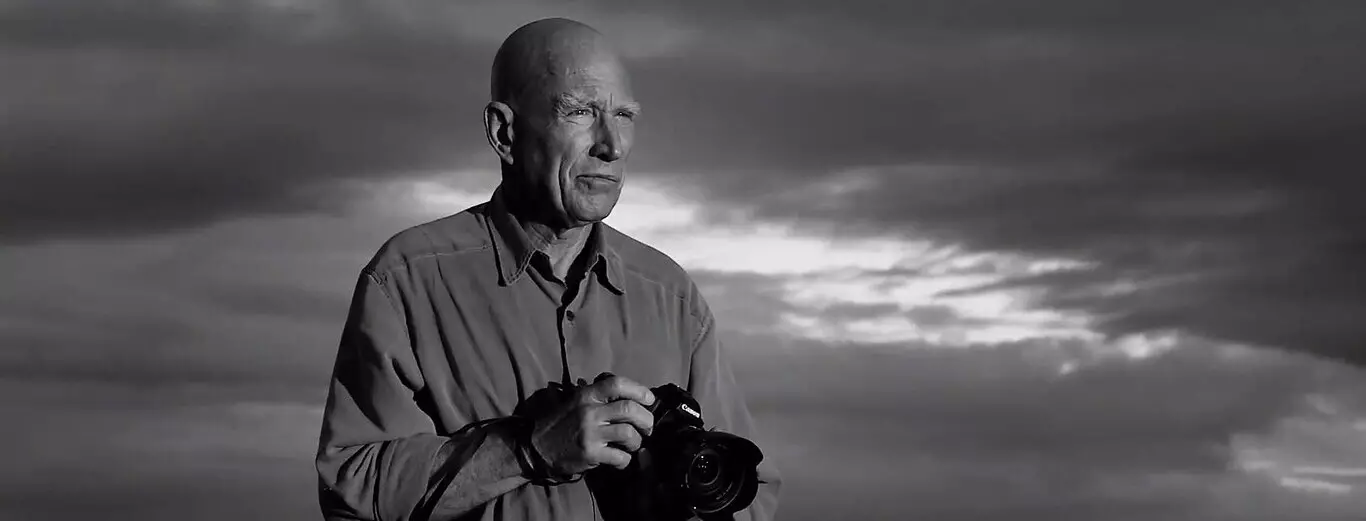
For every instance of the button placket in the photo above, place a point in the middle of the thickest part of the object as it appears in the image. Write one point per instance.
(572, 358)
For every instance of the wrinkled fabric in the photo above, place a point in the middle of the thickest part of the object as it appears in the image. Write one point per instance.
(456, 321)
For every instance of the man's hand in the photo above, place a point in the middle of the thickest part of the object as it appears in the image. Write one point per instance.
(600, 424)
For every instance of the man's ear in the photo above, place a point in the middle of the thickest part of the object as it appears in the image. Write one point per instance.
(498, 128)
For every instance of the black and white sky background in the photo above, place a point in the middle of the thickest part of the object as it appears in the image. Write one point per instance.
(976, 260)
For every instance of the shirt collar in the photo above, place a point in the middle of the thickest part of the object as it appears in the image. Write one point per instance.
(514, 248)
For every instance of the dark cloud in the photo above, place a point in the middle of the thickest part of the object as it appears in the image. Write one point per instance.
(274, 300)
(1106, 440)
(1272, 263)
(1018, 400)
(932, 316)
(134, 142)
(208, 453)
(744, 300)
(256, 302)
(944, 426)
(853, 311)
(139, 117)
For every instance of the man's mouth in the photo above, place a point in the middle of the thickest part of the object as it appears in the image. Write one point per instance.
(602, 178)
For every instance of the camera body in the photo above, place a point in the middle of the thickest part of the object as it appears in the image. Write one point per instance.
(683, 470)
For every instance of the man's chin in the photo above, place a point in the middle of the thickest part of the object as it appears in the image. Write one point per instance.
(585, 219)
(592, 211)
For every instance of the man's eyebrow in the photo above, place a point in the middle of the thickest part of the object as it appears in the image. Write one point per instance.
(569, 100)
(565, 101)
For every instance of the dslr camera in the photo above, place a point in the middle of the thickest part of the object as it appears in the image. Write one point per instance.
(683, 470)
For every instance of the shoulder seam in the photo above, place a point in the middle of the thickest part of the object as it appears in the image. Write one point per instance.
(707, 324)
(388, 296)
(705, 320)
(402, 262)
(676, 293)
(682, 294)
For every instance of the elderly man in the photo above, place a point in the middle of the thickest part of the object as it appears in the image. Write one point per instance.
(456, 323)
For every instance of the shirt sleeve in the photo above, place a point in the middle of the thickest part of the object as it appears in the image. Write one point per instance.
(378, 450)
(712, 382)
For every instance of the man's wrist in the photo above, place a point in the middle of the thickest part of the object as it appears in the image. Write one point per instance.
(534, 466)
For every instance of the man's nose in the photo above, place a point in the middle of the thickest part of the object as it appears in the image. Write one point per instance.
(608, 146)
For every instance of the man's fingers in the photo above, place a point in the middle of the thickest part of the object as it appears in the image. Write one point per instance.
(608, 455)
(612, 388)
(624, 436)
(627, 412)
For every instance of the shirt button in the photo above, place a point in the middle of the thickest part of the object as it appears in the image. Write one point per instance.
(569, 314)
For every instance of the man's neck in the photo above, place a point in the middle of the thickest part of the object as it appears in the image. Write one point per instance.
(561, 244)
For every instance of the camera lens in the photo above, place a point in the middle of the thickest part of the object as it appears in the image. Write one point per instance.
(714, 483)
(705, 469)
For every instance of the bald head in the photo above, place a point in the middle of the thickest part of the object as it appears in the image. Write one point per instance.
(562, 119)
(544, 50)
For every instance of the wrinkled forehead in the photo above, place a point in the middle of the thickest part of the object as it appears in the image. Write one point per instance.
(601, 78)
(586, 73)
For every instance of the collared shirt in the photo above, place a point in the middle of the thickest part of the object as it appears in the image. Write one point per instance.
(453, 323)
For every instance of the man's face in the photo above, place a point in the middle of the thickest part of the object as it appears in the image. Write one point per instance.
(574, 131)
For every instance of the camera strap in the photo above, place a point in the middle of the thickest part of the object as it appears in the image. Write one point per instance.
(533, 464)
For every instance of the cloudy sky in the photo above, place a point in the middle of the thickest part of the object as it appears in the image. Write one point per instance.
(976, 260)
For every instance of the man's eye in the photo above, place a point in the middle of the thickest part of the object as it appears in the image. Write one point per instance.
(580, 112)
(626, 114)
